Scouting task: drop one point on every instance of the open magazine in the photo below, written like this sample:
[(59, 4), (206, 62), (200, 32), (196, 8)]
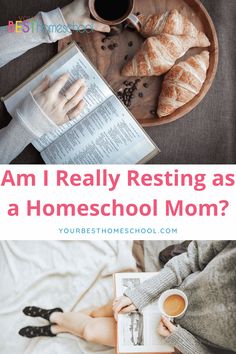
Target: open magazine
[(137, 332), (104, 133)]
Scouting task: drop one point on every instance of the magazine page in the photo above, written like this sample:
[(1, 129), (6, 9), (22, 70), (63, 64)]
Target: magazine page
[(108, 135)]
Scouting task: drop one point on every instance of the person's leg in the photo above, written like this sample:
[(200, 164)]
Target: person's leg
[(96, 330), (103, 311)]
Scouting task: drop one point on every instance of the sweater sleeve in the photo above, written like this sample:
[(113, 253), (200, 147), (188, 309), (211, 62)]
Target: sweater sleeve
[(45, 27), (186, 343), (198, 255), (29, 122)]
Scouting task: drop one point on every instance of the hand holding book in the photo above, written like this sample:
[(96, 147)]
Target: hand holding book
[(139, 331), (123, 305)]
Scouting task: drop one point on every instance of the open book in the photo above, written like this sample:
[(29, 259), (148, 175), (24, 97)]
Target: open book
[(137, 332), (104, 133)]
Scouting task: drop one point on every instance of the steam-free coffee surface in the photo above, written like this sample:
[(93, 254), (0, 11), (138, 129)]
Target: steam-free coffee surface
[(112, 10), (174, 305)]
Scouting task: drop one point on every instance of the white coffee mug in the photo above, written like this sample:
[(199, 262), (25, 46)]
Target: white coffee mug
[(167, 294)]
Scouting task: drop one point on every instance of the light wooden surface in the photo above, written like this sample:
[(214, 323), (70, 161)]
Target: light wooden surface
[(109, 62)]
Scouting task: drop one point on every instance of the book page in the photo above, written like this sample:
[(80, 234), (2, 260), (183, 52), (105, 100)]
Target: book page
[(97, 92), (137, 332), (152, 317), (108, 135), (78, 66)]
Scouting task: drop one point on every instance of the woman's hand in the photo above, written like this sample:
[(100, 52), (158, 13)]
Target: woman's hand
[(78, 13), (122, 304), (166, 327), (60, 108)]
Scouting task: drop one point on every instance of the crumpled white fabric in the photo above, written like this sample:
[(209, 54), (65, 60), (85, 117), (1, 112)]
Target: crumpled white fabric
[(73, 275)]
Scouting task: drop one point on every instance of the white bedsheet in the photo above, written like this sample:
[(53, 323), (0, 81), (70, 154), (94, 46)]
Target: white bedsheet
[(72, 275)]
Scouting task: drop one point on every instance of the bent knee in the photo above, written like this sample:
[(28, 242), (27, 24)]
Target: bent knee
[(89, 333)]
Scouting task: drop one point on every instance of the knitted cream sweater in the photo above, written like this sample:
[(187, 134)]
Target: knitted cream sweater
[(207, 274)]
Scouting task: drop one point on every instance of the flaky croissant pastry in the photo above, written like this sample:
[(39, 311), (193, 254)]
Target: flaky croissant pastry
[(182, 83), (158, 54), (170, 22)]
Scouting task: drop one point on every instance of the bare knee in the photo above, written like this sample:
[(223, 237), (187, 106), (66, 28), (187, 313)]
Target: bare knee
[(89, 334)]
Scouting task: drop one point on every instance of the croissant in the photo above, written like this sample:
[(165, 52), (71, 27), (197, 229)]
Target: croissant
[(158, 54), (170, 22), (182, 83)]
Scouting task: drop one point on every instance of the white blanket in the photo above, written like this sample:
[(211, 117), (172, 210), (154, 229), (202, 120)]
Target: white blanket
[(72, 275)]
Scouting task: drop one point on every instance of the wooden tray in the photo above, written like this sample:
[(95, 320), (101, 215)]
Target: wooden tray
[(109, 62)]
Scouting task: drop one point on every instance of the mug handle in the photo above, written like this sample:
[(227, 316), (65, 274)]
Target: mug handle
[(134, 20)]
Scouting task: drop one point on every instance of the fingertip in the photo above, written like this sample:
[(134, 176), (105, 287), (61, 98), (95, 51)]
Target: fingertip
[(47, 81), (80, 84), (79, 108), (84, 89), (106, 29), (61, 79), (102, 28), (83, 103), (163, 319), (64, 76), (80, 80), (46, 78), (44, 84)]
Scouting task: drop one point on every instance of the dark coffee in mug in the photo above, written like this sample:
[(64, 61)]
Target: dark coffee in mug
[(110, 10)]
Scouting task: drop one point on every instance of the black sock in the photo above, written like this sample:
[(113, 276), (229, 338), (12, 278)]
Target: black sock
[(32, 332), (34, 311)]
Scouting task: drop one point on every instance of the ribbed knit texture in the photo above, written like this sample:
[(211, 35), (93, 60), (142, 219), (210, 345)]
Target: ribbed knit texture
[(186, 343), (207, 274), (150, 291)]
